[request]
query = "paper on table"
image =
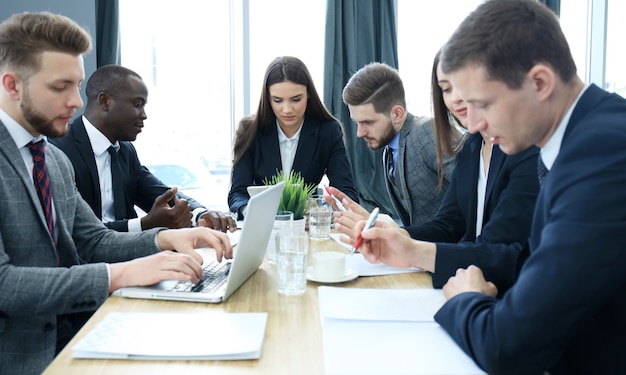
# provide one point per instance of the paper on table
(175, 336)
(365, 268)
(395, 342)
(411, 305)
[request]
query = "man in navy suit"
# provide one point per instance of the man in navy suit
(566, 313)
(114, 115)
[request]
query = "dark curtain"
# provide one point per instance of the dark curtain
(359, 32)
(555, 5)
(108, 32)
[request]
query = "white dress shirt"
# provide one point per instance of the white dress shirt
(288, 148)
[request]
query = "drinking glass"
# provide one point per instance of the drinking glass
(282, 222)
(320, 217)
(291, 259)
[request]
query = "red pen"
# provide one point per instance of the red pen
(335, 199)
(371, 220)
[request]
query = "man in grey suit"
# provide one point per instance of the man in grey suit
(375, 98)
(54, 251)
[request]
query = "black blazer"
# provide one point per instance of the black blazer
(512, 189)
(321, 150)
(566, 312)
(141, 187)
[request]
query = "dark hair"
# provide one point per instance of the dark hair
(281, 69)
(447, 139)
(24, 36)
(110, 79)
(375, 83)
(507, 38)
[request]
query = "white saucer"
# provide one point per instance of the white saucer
(350, 274)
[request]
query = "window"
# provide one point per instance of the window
(204, 61)
(422, 30)
(615, 56)
(202, 77)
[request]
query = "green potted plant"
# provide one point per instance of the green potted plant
(295, 195)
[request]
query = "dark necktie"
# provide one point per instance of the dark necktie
(542, 171)
(389, 165)
(119, 206)
(42, 185)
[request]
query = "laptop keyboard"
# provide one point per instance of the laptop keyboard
(215, 276)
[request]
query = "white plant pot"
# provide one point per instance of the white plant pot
(299, 225)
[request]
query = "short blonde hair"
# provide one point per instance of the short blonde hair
(24, 36)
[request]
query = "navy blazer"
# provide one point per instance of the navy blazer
(566, 312)
(512, 189)
(321, 150)
(141, 187)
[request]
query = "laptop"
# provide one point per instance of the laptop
(248, 256)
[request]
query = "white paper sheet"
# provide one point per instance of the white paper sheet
(181, 336)
(397, 335)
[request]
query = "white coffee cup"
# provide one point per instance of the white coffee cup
(329, 265)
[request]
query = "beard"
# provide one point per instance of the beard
(385, 138)
(38, 120)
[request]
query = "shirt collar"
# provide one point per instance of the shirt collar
(99, 142)
(395, 143)
(282, 137)
(550, 150)
(20, 136)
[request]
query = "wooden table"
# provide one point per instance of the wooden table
(293, 337)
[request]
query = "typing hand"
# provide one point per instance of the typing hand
(166, 265)
(186, 240)
(162, 215)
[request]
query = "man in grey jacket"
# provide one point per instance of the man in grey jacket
(375, 98)
(54, 252)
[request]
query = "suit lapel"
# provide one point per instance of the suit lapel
(495, 167)
(473, 170)
(83, 145)
(399, 175)
(9, 150)
(306, 147)
(270, 148)
(15, 160)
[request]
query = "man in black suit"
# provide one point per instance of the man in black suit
(566, 313)
(114, 115)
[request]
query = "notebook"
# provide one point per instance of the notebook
(247, 258)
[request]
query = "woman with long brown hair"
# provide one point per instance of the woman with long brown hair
(291, 130)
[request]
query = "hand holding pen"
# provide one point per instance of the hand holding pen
(335, 199)
(371, 220)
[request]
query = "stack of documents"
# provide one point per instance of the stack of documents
(387, 331)
(175, 336)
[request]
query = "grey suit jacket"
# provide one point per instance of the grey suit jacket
(34, 291)
(416, 197)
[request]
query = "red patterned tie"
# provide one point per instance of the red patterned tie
(42, 184)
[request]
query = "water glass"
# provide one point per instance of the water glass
(320, 217)
(282, 222)
(291, 259)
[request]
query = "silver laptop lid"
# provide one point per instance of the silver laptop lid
(247, 258)
(255, 234)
